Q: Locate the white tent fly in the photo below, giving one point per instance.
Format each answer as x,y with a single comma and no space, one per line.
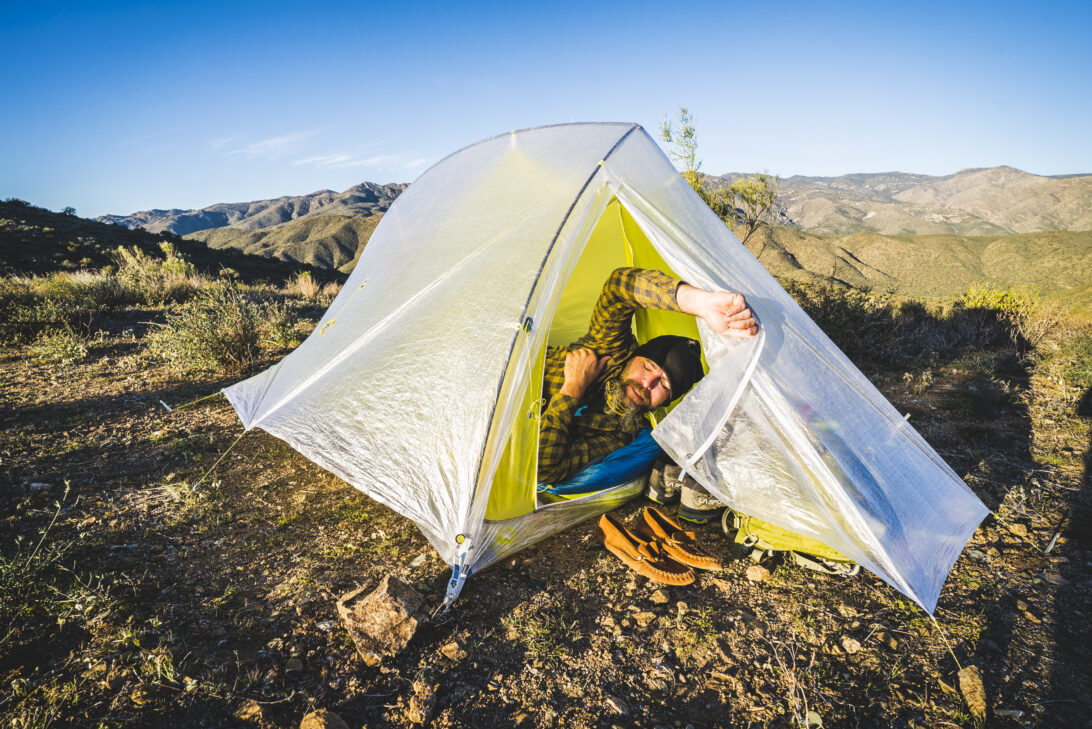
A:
421,384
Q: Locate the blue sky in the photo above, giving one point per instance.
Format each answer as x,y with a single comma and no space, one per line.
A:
121,106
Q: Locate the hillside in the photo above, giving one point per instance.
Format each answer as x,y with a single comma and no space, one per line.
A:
328,241
366,199
990,201
34,240
1057,264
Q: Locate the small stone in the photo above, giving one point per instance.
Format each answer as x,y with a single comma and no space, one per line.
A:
39,488
1031,616
846,611
326,625
757,573
887,640
682,608
974,693
644,618
141,695
323,719
452,651
617,705
421,703
850,645
659,597
419,560
249,710
1021,605
1055,579
1020,530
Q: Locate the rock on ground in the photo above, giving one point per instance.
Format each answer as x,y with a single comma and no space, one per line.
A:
757,573
382,622
323,719
974,693
421,703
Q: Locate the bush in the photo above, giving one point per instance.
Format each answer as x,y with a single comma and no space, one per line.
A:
881,327
217,331
65,346
279,322
1028,320
31,306
154,280
304,285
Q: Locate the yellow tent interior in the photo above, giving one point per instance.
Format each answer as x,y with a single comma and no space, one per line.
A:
615,241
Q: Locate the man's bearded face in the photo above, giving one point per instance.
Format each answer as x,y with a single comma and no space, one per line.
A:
645,384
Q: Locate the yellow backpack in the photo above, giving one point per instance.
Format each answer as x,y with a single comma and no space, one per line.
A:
764,540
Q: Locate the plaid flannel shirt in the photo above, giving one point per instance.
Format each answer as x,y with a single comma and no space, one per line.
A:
567,442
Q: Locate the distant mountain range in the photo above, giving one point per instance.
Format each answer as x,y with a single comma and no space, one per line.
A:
329,229
365,199
988,201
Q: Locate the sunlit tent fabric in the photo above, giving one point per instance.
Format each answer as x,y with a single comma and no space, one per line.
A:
421,385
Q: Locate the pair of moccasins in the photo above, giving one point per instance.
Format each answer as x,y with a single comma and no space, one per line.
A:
658,548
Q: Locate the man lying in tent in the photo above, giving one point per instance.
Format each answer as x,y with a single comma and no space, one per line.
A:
599,389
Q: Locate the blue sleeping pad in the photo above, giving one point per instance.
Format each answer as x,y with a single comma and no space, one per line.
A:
620,466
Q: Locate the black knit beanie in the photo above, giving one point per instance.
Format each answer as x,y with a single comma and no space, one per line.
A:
680,358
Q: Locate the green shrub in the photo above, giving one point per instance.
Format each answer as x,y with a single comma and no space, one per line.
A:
1028,320
1075,361
880,327
84,289
65,346
279,325
27,312
154,280
217,331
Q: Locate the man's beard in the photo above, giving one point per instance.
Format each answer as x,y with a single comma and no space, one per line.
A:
631,413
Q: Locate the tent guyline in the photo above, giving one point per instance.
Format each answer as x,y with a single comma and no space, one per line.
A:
423,395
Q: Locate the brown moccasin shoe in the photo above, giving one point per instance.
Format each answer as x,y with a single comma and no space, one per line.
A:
642,557
681,545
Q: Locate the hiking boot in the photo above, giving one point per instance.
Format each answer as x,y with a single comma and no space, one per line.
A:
644,558
679,544
697,505
663,483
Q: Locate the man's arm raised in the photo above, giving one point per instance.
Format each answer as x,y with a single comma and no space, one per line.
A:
725,312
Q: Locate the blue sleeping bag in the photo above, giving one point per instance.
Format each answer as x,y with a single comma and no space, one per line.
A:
618,467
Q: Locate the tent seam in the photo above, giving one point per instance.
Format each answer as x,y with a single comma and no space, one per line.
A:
534,287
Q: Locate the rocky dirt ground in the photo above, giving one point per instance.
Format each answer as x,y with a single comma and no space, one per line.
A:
152,601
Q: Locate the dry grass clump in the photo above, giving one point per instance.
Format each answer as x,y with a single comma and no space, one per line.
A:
155,281
304,285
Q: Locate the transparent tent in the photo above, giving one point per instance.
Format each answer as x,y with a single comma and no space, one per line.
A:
421,385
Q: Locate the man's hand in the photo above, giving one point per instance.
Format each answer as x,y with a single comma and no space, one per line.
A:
582,366
725,312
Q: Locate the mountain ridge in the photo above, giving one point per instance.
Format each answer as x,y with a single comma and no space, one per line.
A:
364,199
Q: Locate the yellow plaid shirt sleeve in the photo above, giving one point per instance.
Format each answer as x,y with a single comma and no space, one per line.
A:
568,443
